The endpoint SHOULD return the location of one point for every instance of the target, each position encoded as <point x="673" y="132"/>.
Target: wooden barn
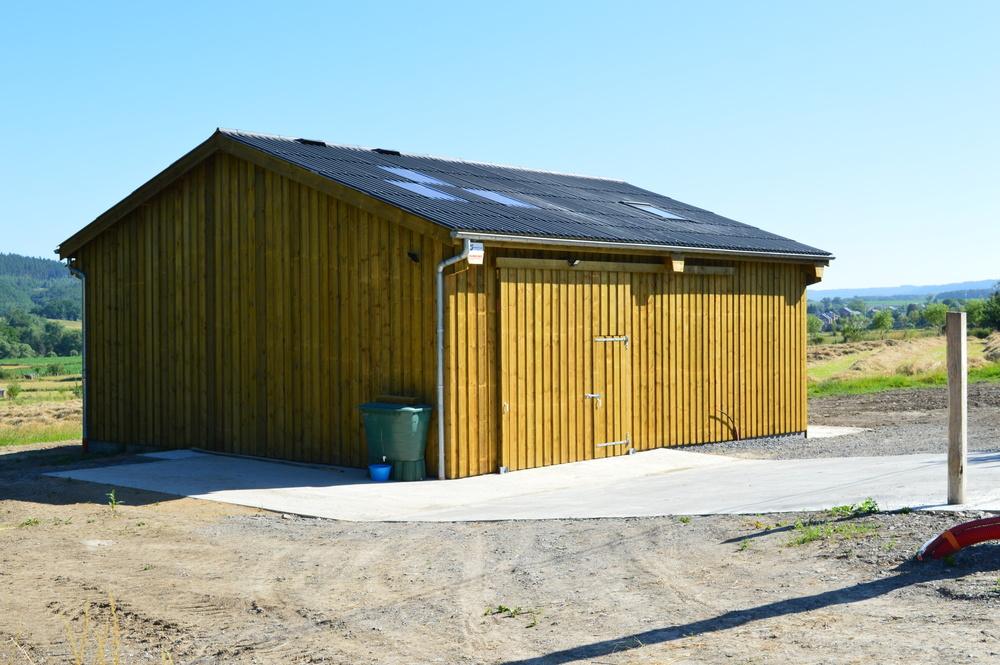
<point x="248" y="298"/>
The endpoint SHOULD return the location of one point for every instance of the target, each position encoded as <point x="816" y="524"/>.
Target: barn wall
<point x="243" y="312"/>
<point x="711" y="357"/>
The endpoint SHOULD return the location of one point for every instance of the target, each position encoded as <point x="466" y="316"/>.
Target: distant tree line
<point x="24" y="335"/>
<point x="38" y="286"/>
<point x="851" y="316"/>
<point x="29" y="266"/>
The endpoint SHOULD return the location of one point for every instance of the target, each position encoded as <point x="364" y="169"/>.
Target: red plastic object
<point x="962" y="535"/>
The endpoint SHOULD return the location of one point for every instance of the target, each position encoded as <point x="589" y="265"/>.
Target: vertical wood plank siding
<point x="242" y="311"/>
<point x="711" y="357"/>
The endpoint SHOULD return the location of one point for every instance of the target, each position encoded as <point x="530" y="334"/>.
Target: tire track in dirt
<point x="472" y="594"/>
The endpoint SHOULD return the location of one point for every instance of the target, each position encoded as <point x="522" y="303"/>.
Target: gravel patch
<point x="899" y="422"/>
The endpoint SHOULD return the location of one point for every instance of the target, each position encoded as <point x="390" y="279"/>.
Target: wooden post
<point x="958" y="422"/>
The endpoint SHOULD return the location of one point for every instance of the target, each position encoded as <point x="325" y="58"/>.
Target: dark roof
<point x="558" y="205"/>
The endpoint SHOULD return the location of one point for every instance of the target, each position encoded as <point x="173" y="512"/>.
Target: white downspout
<point x="82" y="276"/>
<point x="439" y="304"/>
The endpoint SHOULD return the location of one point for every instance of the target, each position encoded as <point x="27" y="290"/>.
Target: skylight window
<point x="499" y="198"/>
<point x="415" y="176"/>
<point x="423" y="190"/>
<point x="653" y="210"/>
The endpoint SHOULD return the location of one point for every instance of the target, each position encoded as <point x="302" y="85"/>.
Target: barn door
<point x="609" y="395"/>
<point x="564" y="364"/>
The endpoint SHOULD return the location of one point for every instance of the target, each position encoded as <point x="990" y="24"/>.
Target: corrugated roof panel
<point x="563" y="205"/>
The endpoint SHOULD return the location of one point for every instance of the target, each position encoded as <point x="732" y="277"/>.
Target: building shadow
<point x="65" y="475"/>
<point x="23" y="477"/>
<point x="986" y="558"/>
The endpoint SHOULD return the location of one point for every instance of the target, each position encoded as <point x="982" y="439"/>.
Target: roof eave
<point x="666" y="249"/>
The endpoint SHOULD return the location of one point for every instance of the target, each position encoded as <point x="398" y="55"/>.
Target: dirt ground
<point x="211" y="583"/>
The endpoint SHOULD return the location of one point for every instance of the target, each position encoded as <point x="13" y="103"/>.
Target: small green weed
<point x="867" y="507"/>
<point x="31" y="521"/>
<point x="13" y="389"/>
<point x="113" y="500"/>
<point x="807" y="532"/>
<point x="905" y="510"/>
<point x="684" y="519"/>
<point x="513" y="612"/>
<point x="744" y="545"/>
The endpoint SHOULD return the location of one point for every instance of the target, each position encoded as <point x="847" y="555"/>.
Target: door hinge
<point x="624" y="442"/>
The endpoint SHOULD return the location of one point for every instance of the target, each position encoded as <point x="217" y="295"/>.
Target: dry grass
<point x="92" y="641"/>
<point x="822" y="352"/>
<point x="40" y="422"/>
<point x="915" y="357"/>
<point x="67" y="324"/>
<point x="991" y="348"/>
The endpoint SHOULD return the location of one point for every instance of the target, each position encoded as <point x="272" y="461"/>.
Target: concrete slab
<point x="657" y="482"/>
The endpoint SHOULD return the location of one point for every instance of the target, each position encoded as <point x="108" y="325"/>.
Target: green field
<point x="68" y="364"/>
<point x="39" y="433"/>
<point x="53" y="379"/>
<point x="69" y="325"/>
<point x="873" y="384"/>
<point x="873" y="366"/>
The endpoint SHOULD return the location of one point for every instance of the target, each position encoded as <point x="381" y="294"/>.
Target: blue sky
<point x="871" y="130"/>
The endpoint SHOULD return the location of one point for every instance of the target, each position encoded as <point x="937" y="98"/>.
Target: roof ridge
<point x="454" y="160"/>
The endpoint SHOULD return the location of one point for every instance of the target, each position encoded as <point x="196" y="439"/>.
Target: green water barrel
<point x="397" y="432"/>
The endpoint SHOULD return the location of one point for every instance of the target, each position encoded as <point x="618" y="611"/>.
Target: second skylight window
<point x="499" y="198"/>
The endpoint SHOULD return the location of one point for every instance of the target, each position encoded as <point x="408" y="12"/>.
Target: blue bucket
<point x="379" y="472"/>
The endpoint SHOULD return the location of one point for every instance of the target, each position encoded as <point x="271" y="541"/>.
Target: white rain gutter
<point x="82" y="276"/>
<point x="604" y="244"/>
<point x="439" y="305"/>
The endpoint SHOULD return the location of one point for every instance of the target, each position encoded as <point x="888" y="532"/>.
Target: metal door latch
<point x="613" y="338"/>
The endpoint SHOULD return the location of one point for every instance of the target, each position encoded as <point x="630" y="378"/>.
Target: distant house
<point x="248" y="298"/>
<point x="828" y="319"/>
<point x="847" y="312"/>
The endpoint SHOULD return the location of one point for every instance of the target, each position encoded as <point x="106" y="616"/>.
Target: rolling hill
<point x="39" y="286"/>
<point x="973" y="289"/>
